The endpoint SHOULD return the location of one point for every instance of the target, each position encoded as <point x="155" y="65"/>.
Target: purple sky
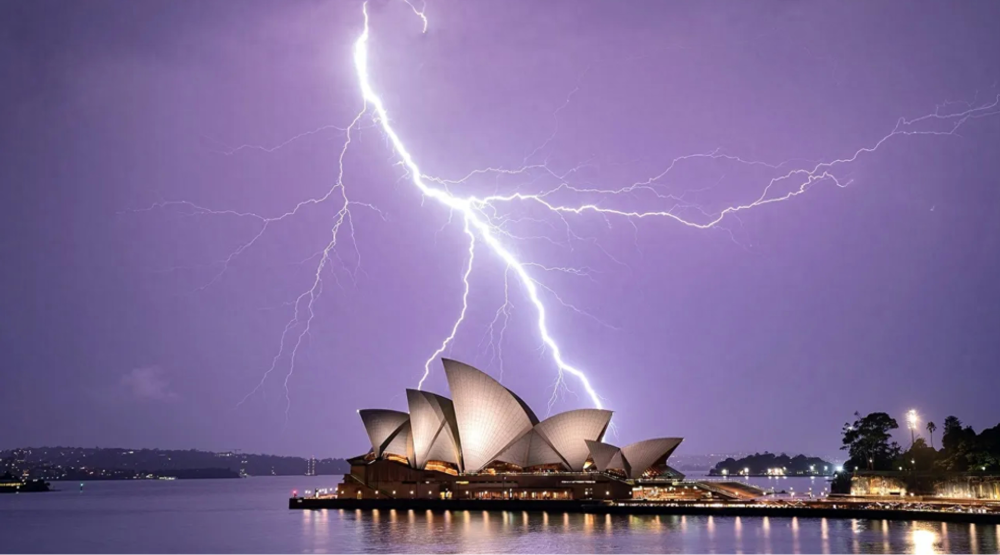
<point x="765" y="332"/>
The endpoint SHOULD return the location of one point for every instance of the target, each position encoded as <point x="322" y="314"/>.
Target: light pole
<point x="912" y="420"/>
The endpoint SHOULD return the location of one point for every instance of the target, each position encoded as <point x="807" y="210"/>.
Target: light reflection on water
<point x="549" y="532"/>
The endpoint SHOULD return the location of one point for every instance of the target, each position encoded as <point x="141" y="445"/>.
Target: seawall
<point x="636" y="508"/>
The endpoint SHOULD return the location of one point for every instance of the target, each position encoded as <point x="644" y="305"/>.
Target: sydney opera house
<point x="486" y="443"/>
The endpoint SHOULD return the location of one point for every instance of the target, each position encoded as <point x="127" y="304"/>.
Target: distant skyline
<point x="765" y="331"/>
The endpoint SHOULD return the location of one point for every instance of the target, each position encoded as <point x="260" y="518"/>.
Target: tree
<point x="967" y="451"/>
<point x="867" y="441"/>
<point x="920" y="457"/>
<point x="960" y="446"/>
<point x="931" y="428"/>
<point x="952" y="435"/>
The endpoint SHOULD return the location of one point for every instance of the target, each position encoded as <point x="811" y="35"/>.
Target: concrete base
<point x="819" y="510"/>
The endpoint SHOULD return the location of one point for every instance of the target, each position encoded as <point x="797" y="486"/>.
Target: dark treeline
<point x="869" y="444"/>
<point x="769" y="463"/>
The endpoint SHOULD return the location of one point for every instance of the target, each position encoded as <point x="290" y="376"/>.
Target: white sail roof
<point x="388" y="431"/>
<point x="605" y="455"/>
<point x="568" y="432"/>
<point x="489" y="416"/>
<point x="634" y="458"/>
<point x="433" y="428"/>
<point x="643" y="454"/>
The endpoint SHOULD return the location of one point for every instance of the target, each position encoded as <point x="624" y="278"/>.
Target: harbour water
<point x="251" y="516"/>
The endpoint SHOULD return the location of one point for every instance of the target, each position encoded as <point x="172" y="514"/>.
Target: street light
<point x="912" y="419"/>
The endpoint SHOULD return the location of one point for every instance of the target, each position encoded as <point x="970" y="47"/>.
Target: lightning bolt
<point x="305" y="302"/>
<point x="496" y="344"/>
<point x="467" y="207"/>
<point x="808" y="177"/>
<point x="474" y="210"/>
<point x="488" y="224"/>
<point x="461" y="316"/>
<point x="419" y="13"/>
<point x="283" y="144"/>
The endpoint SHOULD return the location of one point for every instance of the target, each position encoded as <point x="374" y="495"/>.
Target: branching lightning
<point x="474" y="209"/>
<point x="461" y="316"/>
<point x="308" y="297"/>
<point x="488" y="226"/>
<point x="469" y="208"/>
<point x="496" y="343"/>
<point x="283" y="144"/>
<point x="419" y="13"/>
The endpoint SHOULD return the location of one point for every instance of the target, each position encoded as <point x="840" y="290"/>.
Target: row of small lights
<point x="295" y="492"/>
<point x="781" y="471"/>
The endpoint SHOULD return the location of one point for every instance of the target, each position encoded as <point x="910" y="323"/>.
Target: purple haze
<point x="767" y="333"/>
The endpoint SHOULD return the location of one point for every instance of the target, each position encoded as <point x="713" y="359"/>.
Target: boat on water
<point x="12" y="484"/>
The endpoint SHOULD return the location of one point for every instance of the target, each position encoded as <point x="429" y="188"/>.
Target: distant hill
<point x="764" y="464"/>
<point x="75" y="463"/>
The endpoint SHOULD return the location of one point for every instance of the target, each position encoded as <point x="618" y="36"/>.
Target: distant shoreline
<point x="85" y="464"/>
<point x="166" y="478"/>
<point x="738" y="476"/>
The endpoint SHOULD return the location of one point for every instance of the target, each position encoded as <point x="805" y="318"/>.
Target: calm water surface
<point x="250" y="516"/>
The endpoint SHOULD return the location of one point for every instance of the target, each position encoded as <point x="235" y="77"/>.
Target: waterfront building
<point x="485" y="442"/>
